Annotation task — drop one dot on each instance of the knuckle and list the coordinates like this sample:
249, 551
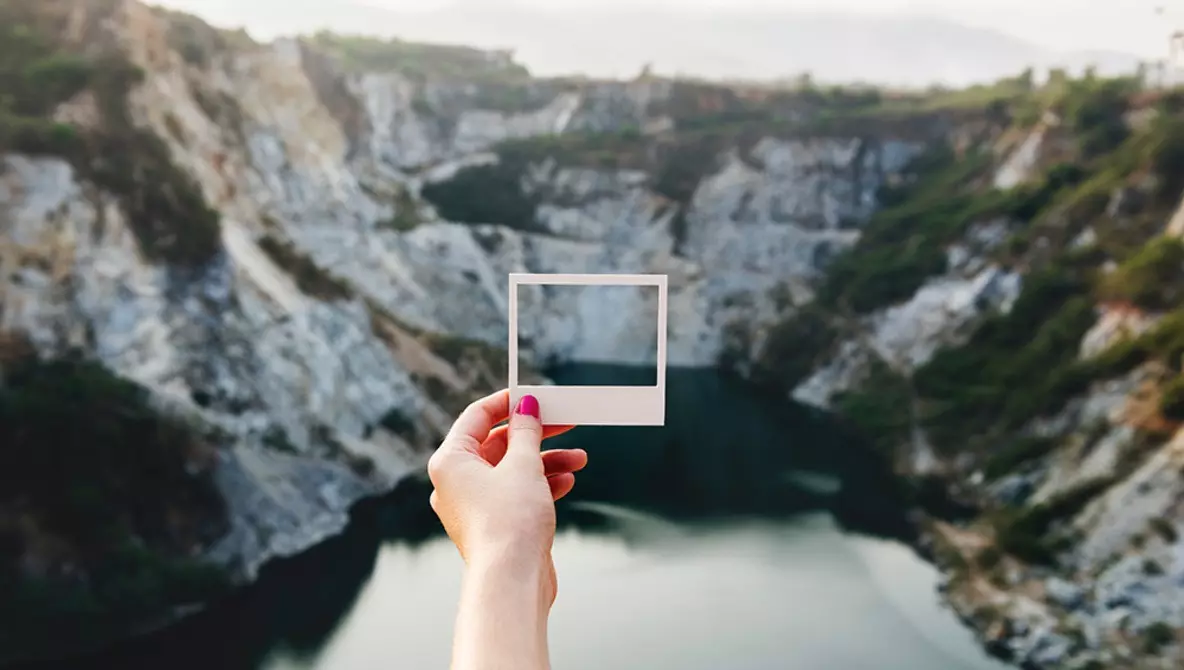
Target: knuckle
436, 466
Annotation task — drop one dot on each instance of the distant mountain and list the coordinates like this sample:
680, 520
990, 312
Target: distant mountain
898, 50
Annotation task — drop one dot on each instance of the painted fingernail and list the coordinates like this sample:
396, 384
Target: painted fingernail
529, 405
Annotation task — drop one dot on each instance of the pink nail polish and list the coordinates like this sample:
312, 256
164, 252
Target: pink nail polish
529, 405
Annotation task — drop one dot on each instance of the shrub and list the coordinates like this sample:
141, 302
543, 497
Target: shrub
1157, 636
989, 558
117, 487
85, 448
1163, 342
1152, 279
1024, 533
485, 194
418, 61
1095, 109
406, 216
1014, 367
1171, 403
905, 242
793, 347
1016, 453
881, 410
1165, 529
164, 206
1167, 158
398, 423
309, 277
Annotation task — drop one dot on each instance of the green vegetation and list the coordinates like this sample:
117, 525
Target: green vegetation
485, 194
164, 206
1153, 278
198, 42
34, 79
1015, 367
1171, 403
398, 423
1157, 636
406, 215
420, 61
309, 277
1163, 343
881, 410
793, 348
275, 437
1167, 157
91, 475
1025, 533
1095, 109
1017, 452
905, 242
1165, 530
989, 558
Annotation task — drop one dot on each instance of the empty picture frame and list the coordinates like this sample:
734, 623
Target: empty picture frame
593, 405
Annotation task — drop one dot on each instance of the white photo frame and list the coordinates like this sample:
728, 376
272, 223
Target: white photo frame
592, 405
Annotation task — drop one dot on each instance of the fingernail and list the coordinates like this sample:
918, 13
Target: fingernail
529, 405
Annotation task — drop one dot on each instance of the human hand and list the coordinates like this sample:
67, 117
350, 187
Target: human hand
494, 490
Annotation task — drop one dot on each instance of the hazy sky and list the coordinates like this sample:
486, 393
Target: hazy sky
1124, 25
1130, 26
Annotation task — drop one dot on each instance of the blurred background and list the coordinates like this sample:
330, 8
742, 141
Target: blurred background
924, 385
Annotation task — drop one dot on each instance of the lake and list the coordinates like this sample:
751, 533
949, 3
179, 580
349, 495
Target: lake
746, 534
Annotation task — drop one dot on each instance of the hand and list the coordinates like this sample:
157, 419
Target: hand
494, 489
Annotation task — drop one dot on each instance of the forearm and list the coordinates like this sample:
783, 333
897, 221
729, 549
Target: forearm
502, 619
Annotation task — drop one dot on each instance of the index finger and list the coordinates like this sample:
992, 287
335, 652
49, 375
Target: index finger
473, 425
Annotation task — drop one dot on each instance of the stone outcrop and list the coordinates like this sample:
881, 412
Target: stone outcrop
343, 321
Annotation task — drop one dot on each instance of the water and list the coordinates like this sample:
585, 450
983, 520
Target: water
716, 542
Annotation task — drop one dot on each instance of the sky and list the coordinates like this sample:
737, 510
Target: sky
1130, 26
771, 46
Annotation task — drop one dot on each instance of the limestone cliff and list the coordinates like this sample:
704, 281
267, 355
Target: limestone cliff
277, 241
302, 248
1025, 364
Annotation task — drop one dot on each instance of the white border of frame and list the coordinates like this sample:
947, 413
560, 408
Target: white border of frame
592, 405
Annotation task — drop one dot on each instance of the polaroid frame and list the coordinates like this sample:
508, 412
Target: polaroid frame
593, 405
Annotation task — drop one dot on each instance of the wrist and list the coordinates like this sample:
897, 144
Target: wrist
515, 559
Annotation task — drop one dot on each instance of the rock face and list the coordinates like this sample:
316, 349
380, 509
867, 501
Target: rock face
340, 298
1075, 561
357, 297
940, 314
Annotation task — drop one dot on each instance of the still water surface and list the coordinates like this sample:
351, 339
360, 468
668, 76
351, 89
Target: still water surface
744, 535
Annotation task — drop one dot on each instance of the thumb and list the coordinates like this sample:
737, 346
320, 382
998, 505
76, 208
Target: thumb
526, 430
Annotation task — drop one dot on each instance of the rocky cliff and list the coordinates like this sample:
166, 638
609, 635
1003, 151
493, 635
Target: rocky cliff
295, 254
1006, 331
300, 249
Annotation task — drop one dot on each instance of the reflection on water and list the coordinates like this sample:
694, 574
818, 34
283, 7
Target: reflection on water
713, 542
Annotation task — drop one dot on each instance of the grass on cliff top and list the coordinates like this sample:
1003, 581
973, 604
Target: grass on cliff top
420, 61
91, 476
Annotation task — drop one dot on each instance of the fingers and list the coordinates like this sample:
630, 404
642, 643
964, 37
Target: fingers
473, 425
526, 431
562, 461
494, 448
548, 431
561, 485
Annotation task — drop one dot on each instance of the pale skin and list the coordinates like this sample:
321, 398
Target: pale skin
495, 493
